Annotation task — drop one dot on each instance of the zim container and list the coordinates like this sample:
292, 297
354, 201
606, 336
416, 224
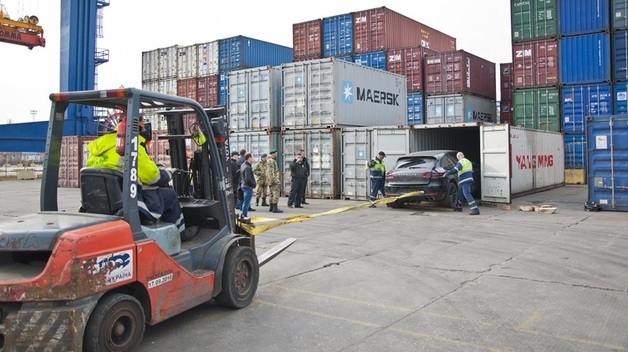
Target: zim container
459, 72
307, 40
535, 64
409, 62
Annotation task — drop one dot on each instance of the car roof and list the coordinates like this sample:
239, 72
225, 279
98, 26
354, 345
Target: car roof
432, 153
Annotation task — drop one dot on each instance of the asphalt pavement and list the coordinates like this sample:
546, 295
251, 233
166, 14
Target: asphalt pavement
416, 279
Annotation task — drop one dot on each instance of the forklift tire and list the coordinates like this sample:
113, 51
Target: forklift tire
116, 324
240, 276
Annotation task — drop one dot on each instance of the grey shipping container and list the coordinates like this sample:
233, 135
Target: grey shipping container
457, 108
254, 99
334, 93
255, 142
619, 14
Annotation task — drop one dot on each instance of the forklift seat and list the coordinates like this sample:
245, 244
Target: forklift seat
101, 191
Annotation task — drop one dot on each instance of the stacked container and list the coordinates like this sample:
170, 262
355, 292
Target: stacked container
507, 92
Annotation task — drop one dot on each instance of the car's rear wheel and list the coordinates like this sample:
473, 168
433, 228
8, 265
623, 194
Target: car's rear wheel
451, 195
395, 205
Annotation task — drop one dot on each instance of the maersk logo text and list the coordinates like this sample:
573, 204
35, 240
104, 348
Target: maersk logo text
377, 96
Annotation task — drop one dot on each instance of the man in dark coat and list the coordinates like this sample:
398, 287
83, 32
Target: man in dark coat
299, 176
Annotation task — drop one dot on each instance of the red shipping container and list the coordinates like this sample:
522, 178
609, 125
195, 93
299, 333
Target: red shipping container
506, 81
459, 72
307, 40
506, 112
408, 62
187, 88
73, 157
535, 64
207, 90
384, 29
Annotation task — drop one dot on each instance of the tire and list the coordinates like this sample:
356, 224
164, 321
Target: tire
395, 205
240, 276
116, 324
451, 195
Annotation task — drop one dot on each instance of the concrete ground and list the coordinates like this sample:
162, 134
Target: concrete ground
417, 279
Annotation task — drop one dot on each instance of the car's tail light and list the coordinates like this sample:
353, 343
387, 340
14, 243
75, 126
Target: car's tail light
432, 175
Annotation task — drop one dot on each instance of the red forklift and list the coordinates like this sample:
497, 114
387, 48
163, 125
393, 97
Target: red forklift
92, 279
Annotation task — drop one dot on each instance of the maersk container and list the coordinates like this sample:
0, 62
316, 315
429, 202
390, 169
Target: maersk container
459, 72
585, 59
575, 150
577, 17
581, 101
533, 19
332, 93
619, 14
535, 64
207, 58
409, 62
241, 52
307, 40
254, 99
415, 108
322, 148
458, 108
383, 29
338, 35
167, 62
607, 163
150, 65
187, 61
537, 108
620, 101
619, 52
375, 59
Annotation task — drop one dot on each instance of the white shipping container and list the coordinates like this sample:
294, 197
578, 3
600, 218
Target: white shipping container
150, 65
334, 93
167, 62
208, 58
254, 99
187, 62
458, 108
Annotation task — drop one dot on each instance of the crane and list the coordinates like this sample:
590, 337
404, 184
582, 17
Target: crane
23, 31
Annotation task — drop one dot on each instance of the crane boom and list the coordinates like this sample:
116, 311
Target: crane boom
24, 32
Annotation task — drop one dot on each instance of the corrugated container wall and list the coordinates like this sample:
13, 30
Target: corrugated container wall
537, 108
535, 64
331, 92
150, 65
256, 142
585, 59
187, 88
415, 108
207, 58
619, 14
207, 90
619, 52
458, 108
607, 155
458, 72
375, 59
581, 101
577, 17
506, 112
187, 62
409, 62
575, 150
241, 52
338, 35
507, 81
533, 19
254, 99
307, 40
383, 29
167, 62
356, 151
620, 101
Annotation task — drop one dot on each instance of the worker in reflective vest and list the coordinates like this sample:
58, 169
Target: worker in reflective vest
464, 168
377, 172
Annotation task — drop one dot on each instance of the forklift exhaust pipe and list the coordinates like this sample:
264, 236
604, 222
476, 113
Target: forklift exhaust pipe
275, 251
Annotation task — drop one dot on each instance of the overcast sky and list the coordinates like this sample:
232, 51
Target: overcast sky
130, 27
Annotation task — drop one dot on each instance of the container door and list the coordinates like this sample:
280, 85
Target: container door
356, 144
395, 142
495, 164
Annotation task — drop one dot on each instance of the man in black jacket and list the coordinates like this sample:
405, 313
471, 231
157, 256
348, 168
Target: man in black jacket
307, 168
298, 172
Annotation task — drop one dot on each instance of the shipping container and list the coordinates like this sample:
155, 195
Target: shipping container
241, 52
577, 17
255, 142
506, 81
607, 163
620, 101
415, 108
506, 114
575, 150
73, 158
459, 72
333, 93
338, 35
207, 90
150, 65
164, 86
208, 58
457, 108
187, 62
383, 29
584, 100
307, 40
585, 59
619, 55
255, 99
322, 148
223, 88
533, 19
409, 62
619, 14
375, 59
167, 62
535, 64
537, 108
187, 88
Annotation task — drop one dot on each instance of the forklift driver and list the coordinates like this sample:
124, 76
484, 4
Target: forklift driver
157, 200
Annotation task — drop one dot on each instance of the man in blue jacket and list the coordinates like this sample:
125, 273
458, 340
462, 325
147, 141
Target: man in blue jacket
464, 168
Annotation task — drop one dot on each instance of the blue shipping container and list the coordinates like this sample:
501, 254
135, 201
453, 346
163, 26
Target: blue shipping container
374, 59
223, 88
575, 150
583, 16
620, 55
607, 157
585, 59
338, 35
581, 101
620, 103
415, 108
241, 52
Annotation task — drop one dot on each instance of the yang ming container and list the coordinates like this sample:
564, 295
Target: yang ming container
585, 59
241, 52
458, 108
583, 16
254, 99
533, 19
330, 92
581, 101
537, 108
535, 64
607, 163
307, 40
383, 29
409, 62
459, 72
338, 35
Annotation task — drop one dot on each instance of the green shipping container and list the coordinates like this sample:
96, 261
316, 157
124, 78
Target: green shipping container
537, 108
533, 19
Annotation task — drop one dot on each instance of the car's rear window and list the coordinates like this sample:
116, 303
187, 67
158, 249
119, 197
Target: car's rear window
416, 162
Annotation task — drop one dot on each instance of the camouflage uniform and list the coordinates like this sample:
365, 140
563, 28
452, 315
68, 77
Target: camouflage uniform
272, 177
262, 186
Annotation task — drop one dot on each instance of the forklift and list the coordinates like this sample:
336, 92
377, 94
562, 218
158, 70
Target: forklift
92, 279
